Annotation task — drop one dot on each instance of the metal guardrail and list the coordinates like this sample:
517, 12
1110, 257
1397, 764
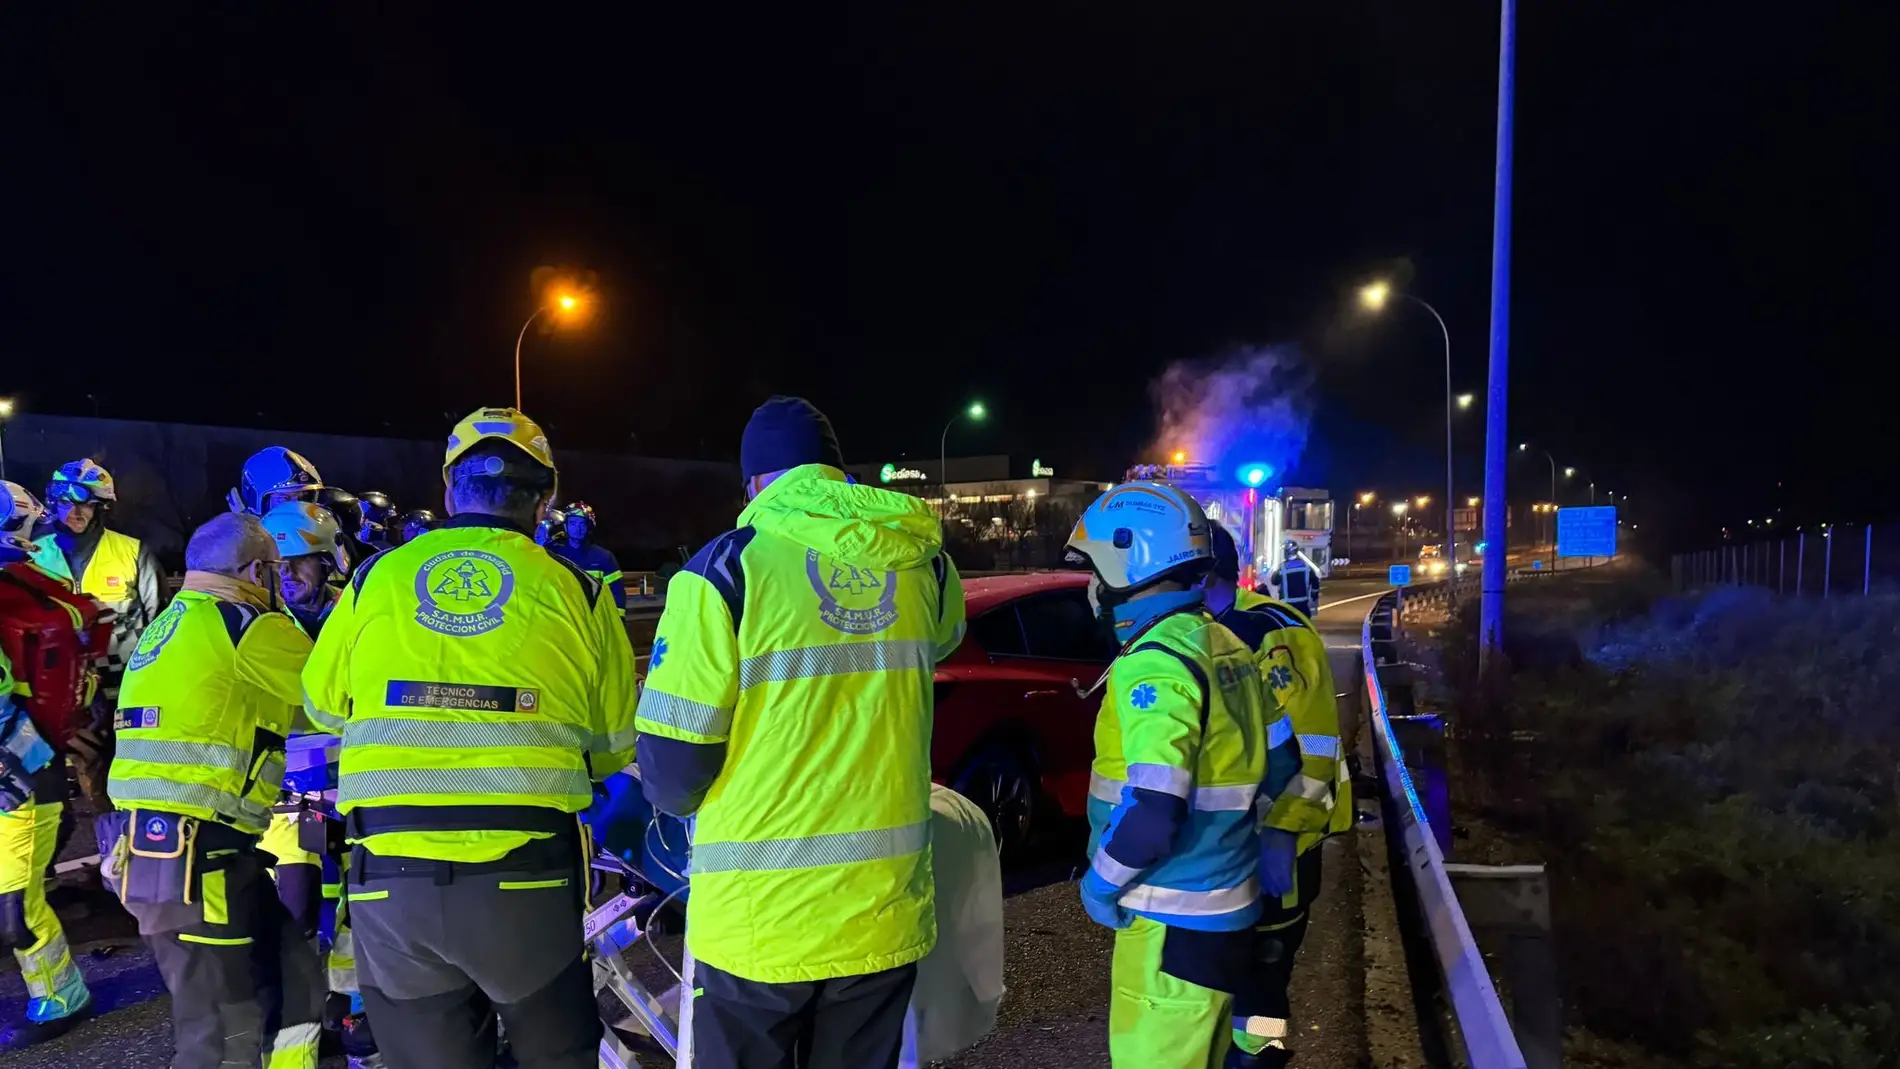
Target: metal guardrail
1482, 1023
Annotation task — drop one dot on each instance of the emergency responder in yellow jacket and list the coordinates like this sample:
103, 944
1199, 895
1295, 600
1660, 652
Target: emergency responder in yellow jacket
481, 687
210, 695
33, 792
312, 542
1181, 756
788, 706
76, 545
1316, 803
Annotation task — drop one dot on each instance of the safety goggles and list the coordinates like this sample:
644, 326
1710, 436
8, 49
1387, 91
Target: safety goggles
72, 493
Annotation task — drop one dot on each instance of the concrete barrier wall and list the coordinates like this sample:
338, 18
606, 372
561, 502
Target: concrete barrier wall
173, 476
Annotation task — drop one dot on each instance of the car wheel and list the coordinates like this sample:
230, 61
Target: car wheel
1003, 783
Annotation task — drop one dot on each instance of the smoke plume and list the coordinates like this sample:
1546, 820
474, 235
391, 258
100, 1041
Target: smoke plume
1250, 405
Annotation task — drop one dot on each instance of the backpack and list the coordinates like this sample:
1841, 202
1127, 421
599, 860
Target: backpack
55, 640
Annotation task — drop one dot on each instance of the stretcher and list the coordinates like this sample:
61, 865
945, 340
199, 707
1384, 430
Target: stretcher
645, 853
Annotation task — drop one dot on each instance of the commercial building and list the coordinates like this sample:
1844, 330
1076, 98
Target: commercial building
992, 479
997, 513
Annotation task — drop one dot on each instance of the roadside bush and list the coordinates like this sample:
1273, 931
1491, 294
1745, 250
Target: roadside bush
1714, 785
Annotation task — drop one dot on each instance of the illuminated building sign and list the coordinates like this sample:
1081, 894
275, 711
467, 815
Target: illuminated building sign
1037, 470
891, 473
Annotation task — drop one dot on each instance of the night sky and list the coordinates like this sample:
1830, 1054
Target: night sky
326, 218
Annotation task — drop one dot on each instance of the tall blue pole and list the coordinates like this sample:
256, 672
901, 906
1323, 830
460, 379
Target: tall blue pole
1498, 388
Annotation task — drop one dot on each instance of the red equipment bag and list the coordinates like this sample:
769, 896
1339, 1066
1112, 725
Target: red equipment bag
55, 639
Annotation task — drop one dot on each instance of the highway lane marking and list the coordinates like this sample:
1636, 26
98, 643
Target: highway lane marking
1361, 597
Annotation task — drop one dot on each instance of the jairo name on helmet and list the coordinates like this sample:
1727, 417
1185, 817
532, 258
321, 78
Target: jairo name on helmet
415, 694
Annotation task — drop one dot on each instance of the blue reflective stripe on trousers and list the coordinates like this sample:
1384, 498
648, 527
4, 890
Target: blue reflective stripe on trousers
810, 851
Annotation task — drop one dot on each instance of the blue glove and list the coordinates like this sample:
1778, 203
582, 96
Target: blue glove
1276, 861
1100, 898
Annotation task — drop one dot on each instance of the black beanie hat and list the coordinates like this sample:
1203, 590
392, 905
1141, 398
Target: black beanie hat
785, 432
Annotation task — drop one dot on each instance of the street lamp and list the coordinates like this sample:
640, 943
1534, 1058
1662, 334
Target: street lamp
1398, 511
976, 412
1465, 400
1365, 499
1373, 297
1525, 447
6, 413
565, 304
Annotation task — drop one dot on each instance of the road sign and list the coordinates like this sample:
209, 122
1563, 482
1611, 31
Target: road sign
1399, 575
1587, 532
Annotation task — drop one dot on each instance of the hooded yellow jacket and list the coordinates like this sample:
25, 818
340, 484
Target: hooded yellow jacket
789, 704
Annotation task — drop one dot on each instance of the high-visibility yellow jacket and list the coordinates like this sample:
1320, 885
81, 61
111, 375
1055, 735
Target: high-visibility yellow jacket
480, 685
1180, 755
1292, 658
209, 697
794, 666
122, 574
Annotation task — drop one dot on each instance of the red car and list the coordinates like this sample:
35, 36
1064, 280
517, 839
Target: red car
1011, 733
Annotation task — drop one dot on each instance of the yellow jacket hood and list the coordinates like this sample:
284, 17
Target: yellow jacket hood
815, 507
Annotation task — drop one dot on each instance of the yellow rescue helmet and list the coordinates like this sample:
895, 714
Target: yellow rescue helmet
497, 424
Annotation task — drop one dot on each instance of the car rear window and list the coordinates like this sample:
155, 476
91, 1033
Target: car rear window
1061, 627
998, 632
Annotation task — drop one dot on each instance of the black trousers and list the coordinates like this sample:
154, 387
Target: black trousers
246, 985
433, 957
1277, 938
853, 1022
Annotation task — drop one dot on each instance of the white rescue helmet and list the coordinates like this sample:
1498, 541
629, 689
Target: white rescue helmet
1140, 532
19, 512
301, 528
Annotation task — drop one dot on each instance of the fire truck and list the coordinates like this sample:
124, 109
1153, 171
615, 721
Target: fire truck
1264, 520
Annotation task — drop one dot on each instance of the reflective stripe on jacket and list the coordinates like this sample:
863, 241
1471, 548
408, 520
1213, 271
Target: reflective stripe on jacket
470, 668
209, 697
1181, 728
1293, 662
804, 643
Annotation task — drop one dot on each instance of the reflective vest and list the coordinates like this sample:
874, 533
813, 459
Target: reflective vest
481, 686
1184, 715
806, 642
209, 697
112, 576
1292, 658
